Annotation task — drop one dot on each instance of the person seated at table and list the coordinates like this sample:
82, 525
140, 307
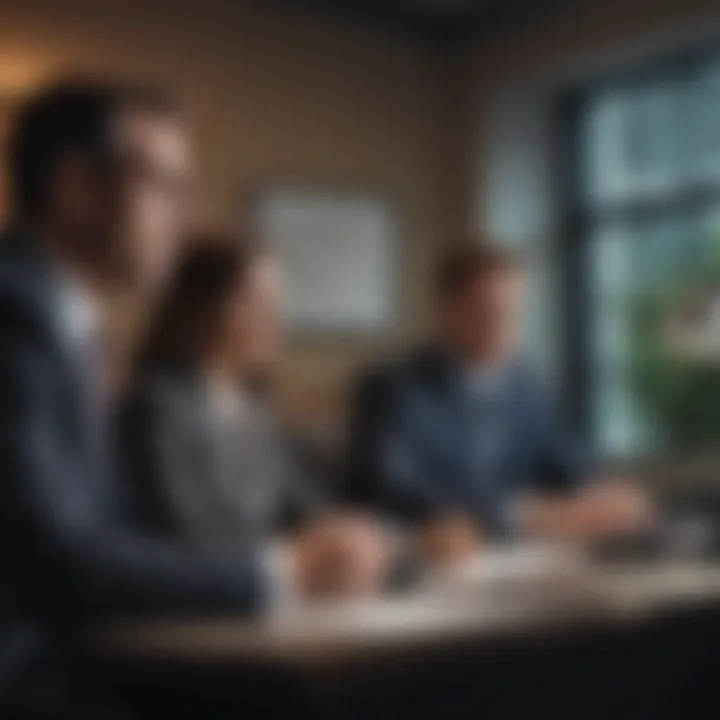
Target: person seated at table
461, 438
213, 467
98, 177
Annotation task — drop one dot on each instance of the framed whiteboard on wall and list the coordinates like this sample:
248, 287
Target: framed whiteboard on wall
338, 253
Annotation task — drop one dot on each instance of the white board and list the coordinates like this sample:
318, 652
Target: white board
337, 252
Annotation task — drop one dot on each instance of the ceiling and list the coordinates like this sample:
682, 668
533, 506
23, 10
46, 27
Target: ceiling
441, 19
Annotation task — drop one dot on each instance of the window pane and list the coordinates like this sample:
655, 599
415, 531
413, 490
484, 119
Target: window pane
651, 183
636, 142
654, 285
705, 122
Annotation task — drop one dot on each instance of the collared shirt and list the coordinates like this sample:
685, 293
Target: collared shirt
487, 404
486, 392
484, 381
81, 324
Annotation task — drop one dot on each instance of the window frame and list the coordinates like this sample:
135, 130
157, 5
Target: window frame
580, 219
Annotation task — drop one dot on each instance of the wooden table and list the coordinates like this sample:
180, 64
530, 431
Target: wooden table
555, 627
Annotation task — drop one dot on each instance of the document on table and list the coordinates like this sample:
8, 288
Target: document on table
483, 590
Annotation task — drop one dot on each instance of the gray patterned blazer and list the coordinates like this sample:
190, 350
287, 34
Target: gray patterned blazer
206, 472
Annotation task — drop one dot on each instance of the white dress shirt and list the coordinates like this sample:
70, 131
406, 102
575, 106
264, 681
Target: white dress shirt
79, 312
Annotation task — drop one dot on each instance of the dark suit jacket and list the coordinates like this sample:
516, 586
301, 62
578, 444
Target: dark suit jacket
208, 476
413, 444
69, 549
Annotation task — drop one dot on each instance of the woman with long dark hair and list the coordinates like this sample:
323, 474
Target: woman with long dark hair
212, 464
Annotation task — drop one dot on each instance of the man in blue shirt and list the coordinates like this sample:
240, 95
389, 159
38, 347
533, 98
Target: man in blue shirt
462, 439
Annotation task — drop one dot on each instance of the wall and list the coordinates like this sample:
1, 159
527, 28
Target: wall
275, 94
4, 119
279, 94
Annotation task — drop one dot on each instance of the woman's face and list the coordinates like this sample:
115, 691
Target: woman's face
253, 330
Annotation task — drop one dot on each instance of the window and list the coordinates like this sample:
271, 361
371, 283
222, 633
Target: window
646, 200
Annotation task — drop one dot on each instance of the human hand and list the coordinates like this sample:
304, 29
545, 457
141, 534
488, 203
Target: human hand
616, 507
448, 540
340, 556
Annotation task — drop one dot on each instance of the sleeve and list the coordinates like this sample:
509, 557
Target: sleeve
93, 564
384, 469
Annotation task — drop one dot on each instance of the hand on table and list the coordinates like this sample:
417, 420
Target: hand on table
617, 507
609, 508
448, 540
340, 556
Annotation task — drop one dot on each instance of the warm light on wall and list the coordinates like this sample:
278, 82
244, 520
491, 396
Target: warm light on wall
18, 75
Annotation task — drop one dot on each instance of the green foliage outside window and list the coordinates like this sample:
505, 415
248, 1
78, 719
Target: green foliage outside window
679, 395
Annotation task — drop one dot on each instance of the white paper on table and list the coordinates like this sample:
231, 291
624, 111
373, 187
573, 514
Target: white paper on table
538, 566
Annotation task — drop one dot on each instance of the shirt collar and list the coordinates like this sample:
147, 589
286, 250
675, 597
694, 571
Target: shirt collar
477, 378
485, 379
227, 400
79, 311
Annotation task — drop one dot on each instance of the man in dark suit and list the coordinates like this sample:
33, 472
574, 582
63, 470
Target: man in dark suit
463, 440
99, 182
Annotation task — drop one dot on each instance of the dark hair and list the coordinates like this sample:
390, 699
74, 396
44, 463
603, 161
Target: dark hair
72, 117
465, 264
214, 265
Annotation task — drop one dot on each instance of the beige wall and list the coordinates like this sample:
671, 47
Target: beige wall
281, 95
276, 95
